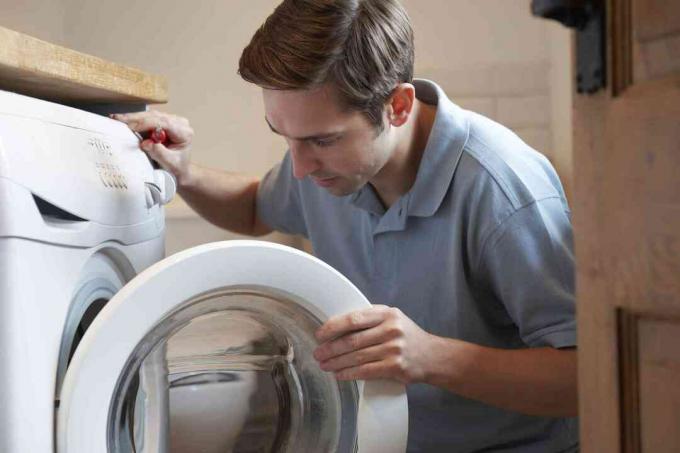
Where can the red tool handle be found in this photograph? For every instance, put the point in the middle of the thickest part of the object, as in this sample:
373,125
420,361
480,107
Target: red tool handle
159,136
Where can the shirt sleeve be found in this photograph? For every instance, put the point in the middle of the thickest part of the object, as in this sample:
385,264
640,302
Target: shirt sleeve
278,200
528,261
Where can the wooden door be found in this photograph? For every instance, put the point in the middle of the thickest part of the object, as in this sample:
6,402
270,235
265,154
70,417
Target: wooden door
627,230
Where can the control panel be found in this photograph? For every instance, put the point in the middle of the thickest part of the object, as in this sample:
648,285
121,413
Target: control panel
109,173
84,164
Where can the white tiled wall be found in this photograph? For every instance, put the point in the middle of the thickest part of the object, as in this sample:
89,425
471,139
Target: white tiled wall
514,94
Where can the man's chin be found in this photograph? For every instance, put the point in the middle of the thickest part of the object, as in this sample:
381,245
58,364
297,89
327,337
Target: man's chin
339,191
342,190
337,186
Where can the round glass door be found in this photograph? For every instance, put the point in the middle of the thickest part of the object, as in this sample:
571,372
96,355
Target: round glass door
210,350
232,371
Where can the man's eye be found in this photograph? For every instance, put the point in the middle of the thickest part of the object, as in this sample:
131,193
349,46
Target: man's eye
326,142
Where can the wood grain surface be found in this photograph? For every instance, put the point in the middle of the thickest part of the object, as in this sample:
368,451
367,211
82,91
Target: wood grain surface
40,69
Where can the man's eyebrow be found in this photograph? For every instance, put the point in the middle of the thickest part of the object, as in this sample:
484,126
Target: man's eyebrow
319,136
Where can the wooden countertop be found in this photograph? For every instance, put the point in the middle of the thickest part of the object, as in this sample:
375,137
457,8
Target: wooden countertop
47,71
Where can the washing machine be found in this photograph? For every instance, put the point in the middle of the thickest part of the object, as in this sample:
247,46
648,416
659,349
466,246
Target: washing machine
107,347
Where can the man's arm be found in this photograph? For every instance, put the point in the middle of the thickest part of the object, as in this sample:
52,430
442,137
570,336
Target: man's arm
383,343
536,381
227,200
224,199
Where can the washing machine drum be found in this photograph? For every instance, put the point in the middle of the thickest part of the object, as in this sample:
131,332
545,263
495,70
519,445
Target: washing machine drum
210,350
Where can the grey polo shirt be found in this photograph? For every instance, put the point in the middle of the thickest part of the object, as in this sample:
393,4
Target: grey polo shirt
480,249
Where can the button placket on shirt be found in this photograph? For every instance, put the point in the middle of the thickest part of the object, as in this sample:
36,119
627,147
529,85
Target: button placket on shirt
385,243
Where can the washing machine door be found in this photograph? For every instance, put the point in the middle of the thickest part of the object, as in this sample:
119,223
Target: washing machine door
210,350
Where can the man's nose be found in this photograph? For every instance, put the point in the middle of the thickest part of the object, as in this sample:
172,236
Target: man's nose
304,162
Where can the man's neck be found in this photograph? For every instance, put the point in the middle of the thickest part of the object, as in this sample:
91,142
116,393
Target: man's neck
399,173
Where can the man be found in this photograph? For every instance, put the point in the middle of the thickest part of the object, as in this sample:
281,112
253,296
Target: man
455,228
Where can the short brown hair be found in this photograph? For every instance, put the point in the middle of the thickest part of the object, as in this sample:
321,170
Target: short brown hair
363,47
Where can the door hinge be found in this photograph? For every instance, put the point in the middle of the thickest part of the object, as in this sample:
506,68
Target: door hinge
587,18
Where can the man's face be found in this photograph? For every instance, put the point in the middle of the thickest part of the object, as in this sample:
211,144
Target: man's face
339,150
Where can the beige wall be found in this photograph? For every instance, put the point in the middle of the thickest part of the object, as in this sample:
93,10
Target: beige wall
42,19
561,89
491,56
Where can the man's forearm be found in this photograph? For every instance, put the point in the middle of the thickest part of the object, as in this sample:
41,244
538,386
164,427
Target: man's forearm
224,199
538,381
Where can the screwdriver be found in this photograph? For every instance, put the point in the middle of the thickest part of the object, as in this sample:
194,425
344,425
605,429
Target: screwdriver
158,135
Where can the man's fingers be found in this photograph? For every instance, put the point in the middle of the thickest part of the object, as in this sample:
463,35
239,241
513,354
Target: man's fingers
155,151
361,356
348,343
146,122
177,128
134,117
356,320
384,369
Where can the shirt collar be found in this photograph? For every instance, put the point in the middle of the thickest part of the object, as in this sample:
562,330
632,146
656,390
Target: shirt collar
442,153
440,158
367,199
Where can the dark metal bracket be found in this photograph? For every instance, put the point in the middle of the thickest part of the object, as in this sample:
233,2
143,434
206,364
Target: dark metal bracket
587,17
106,109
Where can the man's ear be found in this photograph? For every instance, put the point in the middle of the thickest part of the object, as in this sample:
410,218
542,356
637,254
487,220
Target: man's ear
400,104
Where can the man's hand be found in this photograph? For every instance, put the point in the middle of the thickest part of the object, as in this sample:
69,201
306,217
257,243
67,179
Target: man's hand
382,343
175,156
376,343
